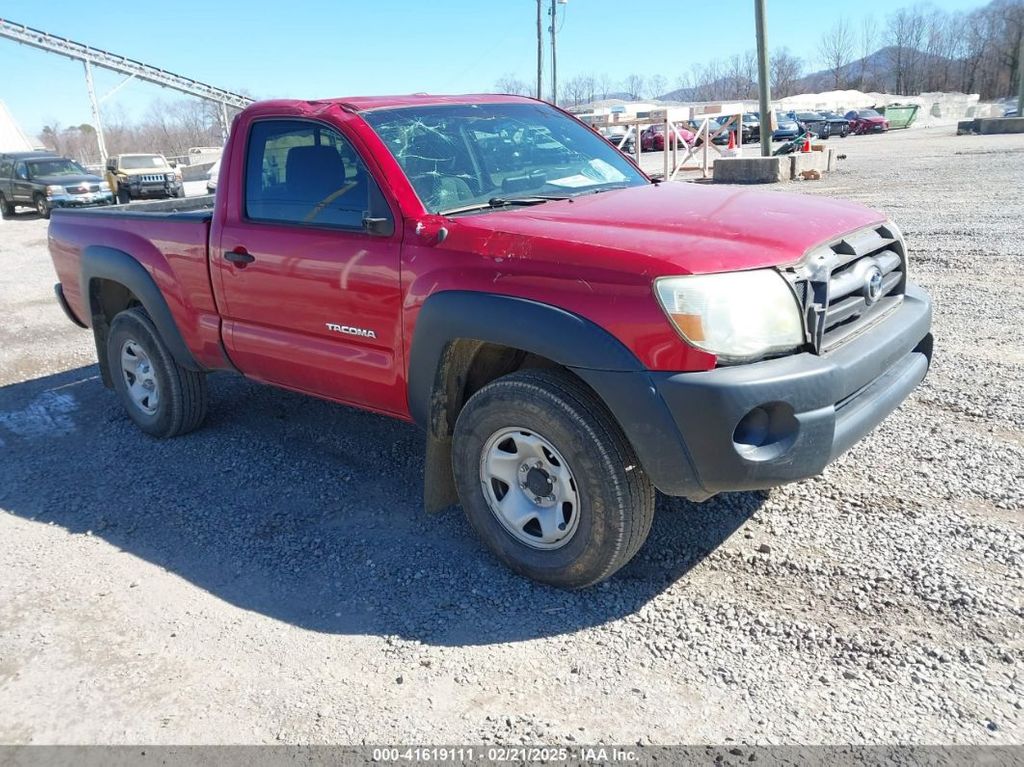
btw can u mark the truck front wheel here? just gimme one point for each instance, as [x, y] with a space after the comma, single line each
[163, 398]
[548, 480]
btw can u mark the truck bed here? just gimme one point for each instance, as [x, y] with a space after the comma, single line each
[168, 238]
[194, 208]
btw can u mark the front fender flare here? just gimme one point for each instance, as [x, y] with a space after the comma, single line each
[586, 349]
[520, 323]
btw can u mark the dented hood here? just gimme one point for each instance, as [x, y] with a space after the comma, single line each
[671, 228]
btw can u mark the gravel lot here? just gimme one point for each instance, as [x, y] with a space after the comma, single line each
[271, 578]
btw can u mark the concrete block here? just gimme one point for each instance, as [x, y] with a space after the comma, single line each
[965, 127]
[801, 161]
[752, 170]
[989, 126]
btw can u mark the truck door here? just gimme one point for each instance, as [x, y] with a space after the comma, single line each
[306, 267]
[21, 186]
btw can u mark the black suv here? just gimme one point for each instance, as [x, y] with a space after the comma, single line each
[813, 122]
[44, 180]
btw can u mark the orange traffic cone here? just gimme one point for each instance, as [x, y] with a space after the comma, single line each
[807, 143]
[732, 140]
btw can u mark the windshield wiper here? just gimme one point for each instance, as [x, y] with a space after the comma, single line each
[503, 202]
[605, 188]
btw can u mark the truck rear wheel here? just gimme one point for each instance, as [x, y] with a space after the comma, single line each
[6, 209]
[548, 480]
[163, 398]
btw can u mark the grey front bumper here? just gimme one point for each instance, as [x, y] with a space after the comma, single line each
[816, 407]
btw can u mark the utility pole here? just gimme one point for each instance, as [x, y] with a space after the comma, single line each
[540, 49]
[101, 144]
[763, 91]
[1020, 79]
[554, 54]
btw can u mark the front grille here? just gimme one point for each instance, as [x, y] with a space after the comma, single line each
[851, 283]
[83, 188]
[152, 178]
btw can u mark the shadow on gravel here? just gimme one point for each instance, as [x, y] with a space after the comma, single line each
[306, 512]
[24, 214]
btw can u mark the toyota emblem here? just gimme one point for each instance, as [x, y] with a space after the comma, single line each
[873, 285]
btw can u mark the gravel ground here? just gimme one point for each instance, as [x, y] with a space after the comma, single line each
[271, 578]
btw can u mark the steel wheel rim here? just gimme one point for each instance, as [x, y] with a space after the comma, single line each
[40, 206]
[517, 466]
[139, 377]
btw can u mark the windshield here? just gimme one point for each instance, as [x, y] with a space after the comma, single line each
[808, 116]
[143, 161]
[869, 113]
[459, 155]
[56, 167]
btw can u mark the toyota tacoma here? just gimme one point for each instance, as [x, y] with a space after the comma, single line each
[570, 335]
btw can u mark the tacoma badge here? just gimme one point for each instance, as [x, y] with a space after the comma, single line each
[349, 330]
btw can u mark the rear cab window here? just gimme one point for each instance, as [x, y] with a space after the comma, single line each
[306, 173]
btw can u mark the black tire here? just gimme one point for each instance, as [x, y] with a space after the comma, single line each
[6, 208]
[183, 396]
[616, 498]
[123, 196]
[42, 207]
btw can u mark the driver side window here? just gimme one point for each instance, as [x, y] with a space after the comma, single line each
[21, 171]
[306, 173]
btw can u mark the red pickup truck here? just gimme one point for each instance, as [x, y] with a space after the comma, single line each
[570, 335]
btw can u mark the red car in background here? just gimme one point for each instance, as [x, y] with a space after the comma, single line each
[866, 121]
[652, 139]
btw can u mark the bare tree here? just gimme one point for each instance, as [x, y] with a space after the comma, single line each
[837, 46]
[634, 86]
[905, 36]
[681, 85]
[868, 46]
[657, 86]
[604, 85]
[576, 90]
[512, 85]
[785, 70]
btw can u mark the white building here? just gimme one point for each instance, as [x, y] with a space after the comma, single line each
[12, 137]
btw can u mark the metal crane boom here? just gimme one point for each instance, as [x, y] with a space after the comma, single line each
[97, 57]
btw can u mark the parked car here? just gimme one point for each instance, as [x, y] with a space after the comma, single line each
[813, 122]
[623, 138]
[751, 129]
[786, 128]
[652, 138]
[140, 176]
[211, 177]
[570, 335]
[1011, 111]
[44, 181]
[838, 125]
[866, 121]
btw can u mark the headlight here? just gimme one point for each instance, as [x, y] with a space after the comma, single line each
[737, 316]
[54, 189]
[169, 177]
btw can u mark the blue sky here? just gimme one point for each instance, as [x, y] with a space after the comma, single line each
[308, 49]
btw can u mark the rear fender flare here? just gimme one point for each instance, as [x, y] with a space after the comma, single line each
[103, 263]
